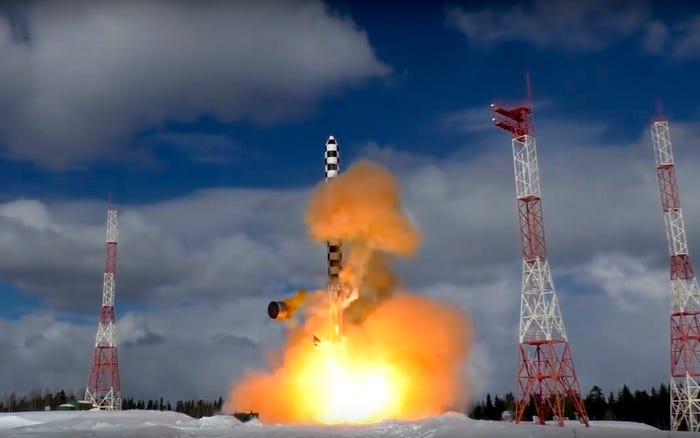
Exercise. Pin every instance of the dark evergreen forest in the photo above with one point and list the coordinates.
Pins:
(38, 401)
(650, 407)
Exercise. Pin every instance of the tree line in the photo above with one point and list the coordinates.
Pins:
(650, 407)
(41, 400)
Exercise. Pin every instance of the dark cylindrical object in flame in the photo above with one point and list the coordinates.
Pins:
(278, 310)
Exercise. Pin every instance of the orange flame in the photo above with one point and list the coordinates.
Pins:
(403, 355)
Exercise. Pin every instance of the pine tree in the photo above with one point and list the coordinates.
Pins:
(595, 403)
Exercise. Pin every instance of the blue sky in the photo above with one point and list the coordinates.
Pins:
(435, 71)
(207, 125)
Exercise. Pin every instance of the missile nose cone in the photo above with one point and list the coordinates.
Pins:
(331, 140)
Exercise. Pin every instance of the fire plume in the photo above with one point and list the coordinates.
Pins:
(403, 356)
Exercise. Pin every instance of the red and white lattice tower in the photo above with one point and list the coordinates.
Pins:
(685, 295)
(103, 388)
(546, 370)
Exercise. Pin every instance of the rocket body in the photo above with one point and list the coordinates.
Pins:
(335, 255)
(339, 295)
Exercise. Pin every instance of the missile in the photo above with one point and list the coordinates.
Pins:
(343, 294)
(339, 296)
(335, 255)
(281, 310)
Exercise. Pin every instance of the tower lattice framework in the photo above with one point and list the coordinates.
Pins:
(685, 295)
(546, 372)
(104, 388)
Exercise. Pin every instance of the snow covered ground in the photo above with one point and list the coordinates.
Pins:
(147, 424)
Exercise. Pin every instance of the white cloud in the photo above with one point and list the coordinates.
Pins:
(680, 39)
(83, 76)
(44, 353)
(656, 37)
(687, 44)
(626, 279)
(237, 248)
(395, 159)
(202, 147)
(586, 26)
(578, 26)
(469, 120)
(30, 213)
(178, 353)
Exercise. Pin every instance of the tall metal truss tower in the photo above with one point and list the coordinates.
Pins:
(546, 370)
(103, 388)
(685, 295)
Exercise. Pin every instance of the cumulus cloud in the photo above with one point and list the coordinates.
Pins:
(81, 77)
(586, 26)
(201, 147)
(45, 352)
(237, 249)
(688, 43)
(578, 26)
(624, 278)
(655, 37)
(679, 39)
(177, 353)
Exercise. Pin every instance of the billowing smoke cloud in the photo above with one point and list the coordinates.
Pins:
(362, 208)
(403, 355)
(362, 205)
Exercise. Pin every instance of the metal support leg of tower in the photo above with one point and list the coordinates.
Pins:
(685, 391)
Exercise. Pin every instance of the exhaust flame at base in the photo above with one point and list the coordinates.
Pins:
(406, 361)
(395, 356)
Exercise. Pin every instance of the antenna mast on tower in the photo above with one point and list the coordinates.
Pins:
(546, 370)
(685, 295)
(103, 388)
